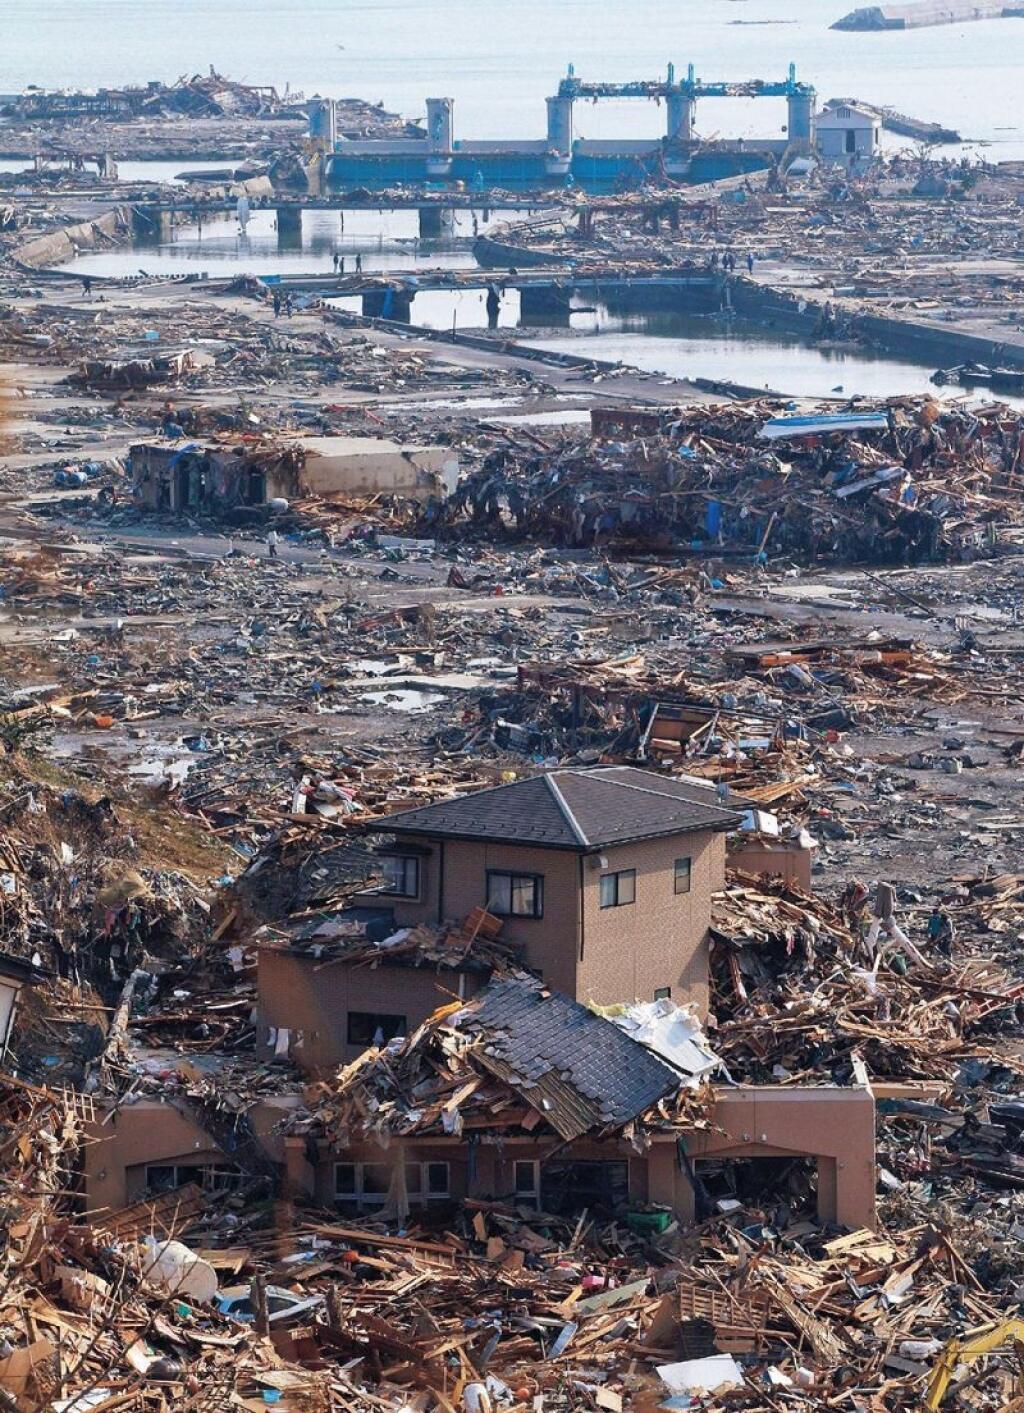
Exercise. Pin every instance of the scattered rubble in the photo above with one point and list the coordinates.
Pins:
(212, 706)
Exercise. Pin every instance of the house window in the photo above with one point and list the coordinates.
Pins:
(618, 889)
(368, 1184)
(374, 1028)
(851, 140)
(526, 1174)
(362, 1184)
(572, 1186)
(401, 875)
(436, 1182)
(683, 869)
(663, 993)
(211, 1177)
(515, 894)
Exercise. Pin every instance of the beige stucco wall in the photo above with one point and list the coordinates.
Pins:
(550, 942)
(787, 861)
(368, 467)
(624, 954)
(832, 1125)
(491, 1176)
(313, 999)
(117, 1150)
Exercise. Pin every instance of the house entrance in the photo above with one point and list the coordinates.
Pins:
(762, 1184)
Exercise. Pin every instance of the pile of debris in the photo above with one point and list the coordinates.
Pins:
(902, 483)
(200, 96)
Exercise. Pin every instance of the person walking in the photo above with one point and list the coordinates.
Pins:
(272, 544)
(897, 944)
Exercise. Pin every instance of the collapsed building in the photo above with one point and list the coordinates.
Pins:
(180, 475)
(521, 1065)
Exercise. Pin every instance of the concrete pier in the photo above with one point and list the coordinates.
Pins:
(436, 222)
(680, 117)
(440, 137)
(440, 124)
(801, 117)
(289, 228)
(559, 126)
(151, 226)
(323, 125)
(545, 304)
(388, 304)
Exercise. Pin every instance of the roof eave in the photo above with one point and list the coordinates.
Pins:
(720, 826)
(478, 838)
(723, 826)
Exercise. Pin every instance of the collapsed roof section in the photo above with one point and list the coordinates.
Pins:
(514, 1058)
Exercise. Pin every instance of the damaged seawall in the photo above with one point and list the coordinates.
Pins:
(926, 342)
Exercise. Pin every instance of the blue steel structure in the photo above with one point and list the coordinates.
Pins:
(562, 159)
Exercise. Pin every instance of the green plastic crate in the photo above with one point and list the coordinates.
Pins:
(649, 1221)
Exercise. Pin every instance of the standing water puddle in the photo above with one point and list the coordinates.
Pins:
(407, 699)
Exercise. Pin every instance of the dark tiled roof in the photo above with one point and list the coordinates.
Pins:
(574, 809)
(577, 1069)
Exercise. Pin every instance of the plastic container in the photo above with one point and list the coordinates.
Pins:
(649, 1221)
(173, 1267)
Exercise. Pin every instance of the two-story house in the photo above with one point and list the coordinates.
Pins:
(602, 878)
(602, 881)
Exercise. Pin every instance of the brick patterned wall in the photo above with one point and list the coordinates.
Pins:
(551, 941)
(660, 940)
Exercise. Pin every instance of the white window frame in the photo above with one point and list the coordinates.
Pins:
(418, 1195)
(406, 860)
(526, 1197)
